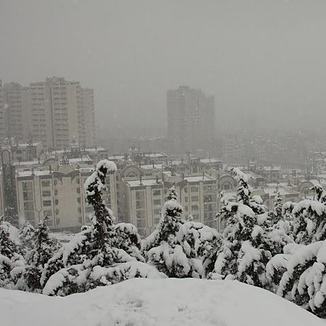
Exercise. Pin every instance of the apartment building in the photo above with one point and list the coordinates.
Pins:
(55, 112)
(145, 197)
(2, 113)
(58, 194)
(87, 118)
(191, 120)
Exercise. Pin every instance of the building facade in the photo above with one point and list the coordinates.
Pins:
(144, 199)
(2, 113)
(55, 112)
(190, 120)
(59, 195)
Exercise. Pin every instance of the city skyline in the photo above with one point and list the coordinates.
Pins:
(263, 62)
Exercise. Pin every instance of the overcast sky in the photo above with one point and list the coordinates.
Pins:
(255, 57)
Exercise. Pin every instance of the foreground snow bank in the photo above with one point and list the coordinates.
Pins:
(144, 302)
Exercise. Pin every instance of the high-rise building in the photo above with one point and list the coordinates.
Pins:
(87, 118)
(13, 111)
(2, 113)
(54, 112)
(191, 120)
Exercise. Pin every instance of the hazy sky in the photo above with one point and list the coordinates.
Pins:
(256, 57)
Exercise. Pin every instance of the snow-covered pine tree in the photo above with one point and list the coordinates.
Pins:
(170, 222)
(276, 214)
(304, 281)
(248, 244)
(8, 247)
(200, 243)
(277, 266)
(10, 255)
(43, 248)
(92, 258)
(102, 219)
(172, 194)
(309, 219)
(244, 194)
(179, 248)
(127, 238)
(26, 236)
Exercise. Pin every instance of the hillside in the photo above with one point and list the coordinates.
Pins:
(144, 302)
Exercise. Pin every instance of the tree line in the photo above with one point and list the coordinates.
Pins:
(282, 250)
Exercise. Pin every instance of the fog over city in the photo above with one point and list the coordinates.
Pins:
(264, 61)
(162, 162)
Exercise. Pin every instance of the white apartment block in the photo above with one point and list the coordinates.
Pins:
(59, 195)
(145, 198)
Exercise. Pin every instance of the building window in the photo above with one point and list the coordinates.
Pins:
(46, 183)
(46, 193)
(157, 202)
(141, 223)
(194, 189)
(226, 186)
(28, 205)
(47, 212)
(208, 198)
(194, 198)
(157, 192)
(140, 214)
(194, 207)
(29, 215)
(140, 195)
(47, 203)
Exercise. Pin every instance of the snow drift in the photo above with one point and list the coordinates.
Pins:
(141, 302)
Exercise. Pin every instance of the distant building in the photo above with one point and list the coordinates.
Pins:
(144, 198)
(190, 120)
(87, 118)
(2, 113)
(58, 194)
(55, 112)
(15, 108)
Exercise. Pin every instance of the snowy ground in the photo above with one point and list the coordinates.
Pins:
(144, 302)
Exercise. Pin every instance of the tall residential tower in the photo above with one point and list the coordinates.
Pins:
(55, 112)
(191, 120)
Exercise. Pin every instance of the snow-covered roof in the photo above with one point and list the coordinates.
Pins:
(144, 182)
(95, 149)
(199, 178)
(210, 160)
(151, 166)
(155, 155)
(116, 157)
(26, 163)
(272, 168)
(29, 173)
(85, 158)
